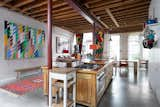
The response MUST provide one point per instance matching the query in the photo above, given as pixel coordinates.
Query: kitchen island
(92, 83)
(93, 78)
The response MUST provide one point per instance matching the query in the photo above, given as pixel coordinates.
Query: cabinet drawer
(84, 76)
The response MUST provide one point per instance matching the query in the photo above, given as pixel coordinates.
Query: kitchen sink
(88, 66)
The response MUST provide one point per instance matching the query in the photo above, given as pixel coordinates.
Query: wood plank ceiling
(114, 15)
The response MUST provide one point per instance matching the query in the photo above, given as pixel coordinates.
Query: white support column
(50, 91)
(65, 92)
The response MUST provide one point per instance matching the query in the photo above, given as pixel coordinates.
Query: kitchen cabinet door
(86, 88)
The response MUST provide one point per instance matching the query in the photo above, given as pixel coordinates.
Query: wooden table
(135, 63)
(63, 74)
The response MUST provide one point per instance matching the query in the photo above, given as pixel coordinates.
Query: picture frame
(62, 45)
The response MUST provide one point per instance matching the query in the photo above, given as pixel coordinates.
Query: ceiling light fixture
(110, 38)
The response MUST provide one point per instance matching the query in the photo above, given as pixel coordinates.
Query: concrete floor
(128, 90)
(125, 91)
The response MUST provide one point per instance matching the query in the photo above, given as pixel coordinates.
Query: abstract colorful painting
(22, 41)
(79, 40)
(100, 43)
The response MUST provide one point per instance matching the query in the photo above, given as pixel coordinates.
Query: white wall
(154, 61)
(58, 32)
(7, 67)
(154, 6)
(123, 46)
(106, 46)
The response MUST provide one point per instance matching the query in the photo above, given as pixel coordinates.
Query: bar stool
(68, 76)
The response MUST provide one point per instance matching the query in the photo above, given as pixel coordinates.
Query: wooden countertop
(64, 70)
(61, 70)
(102, 63)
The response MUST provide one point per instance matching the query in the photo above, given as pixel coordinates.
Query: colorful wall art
(100, 43)
(22, 41)
(62, 45)
(79, 40)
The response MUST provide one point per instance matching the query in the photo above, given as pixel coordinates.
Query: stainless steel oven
(100, 83)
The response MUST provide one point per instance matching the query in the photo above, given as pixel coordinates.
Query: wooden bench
(19, 71)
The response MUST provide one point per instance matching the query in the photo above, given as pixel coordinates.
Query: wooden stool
(64, 74)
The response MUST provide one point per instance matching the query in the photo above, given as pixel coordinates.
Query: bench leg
(18, 75)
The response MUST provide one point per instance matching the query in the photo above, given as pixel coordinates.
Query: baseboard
(29, 73)
(8, 80)
(11, 79)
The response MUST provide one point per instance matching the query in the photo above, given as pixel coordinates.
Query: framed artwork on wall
(22, 41)
(62, 45)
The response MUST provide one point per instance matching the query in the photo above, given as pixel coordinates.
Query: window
(74, 43)
(134, 46)
(115, 46)
(87, 41)
(146, 54)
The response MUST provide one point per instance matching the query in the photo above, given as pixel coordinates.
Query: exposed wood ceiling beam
(112, 17)
(20, 3)
(71, 21)
(53, 9)
(124, 11)
(12, 7)
(2, 3)
(72, 18)
(128, 2)
(72, 24)
(61, 14)
(39, 15)
(84, 12)
(67, 8)
(64, 13)
(132, 28)
(92, 1)
(128, 7)
(134, 16)
(38, 11)
(62, 19)
(34, 6)
(66, 16)
(131, 10)
(104, 24)
(104, 3)
(129, 15)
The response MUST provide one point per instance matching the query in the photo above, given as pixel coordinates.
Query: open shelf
(60, 104)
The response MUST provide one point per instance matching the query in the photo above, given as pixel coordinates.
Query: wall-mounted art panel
(62, 45)
(22, 41)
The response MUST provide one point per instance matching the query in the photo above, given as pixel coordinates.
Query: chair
(123, 63)
(115, 66)
(143, 63)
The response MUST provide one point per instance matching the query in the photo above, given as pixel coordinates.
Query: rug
(23, 86)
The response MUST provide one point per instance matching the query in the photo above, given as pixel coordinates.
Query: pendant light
(110, 39)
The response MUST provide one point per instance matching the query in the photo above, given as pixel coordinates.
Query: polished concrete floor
(126, 90)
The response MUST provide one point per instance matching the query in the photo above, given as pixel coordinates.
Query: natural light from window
(115, 46)
(134, 46)
(87, 41)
